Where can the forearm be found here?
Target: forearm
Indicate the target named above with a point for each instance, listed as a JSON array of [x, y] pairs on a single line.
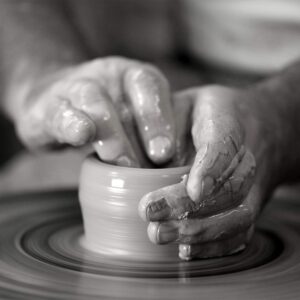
[[37, 38], [279, 97]]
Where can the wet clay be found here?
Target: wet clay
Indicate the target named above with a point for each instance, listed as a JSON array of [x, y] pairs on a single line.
[[109, 198]]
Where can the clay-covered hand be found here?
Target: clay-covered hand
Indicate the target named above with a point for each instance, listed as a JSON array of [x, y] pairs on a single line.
[[213, 210], [106, 101]]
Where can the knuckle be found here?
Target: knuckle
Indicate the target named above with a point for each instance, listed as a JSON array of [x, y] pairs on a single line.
[[207, 93], [96, 64], [107, 65], [187, 239], [125, 113], [213, 91], [112, 64], [184, 227], [84, 87], [191, 227], [154, 71], [135, 73], [115, 59], [146, 73]]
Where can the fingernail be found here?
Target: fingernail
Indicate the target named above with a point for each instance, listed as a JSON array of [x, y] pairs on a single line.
[[185, 252], [166, 233], [162, 233], [160, 149], [158, 210], [207, 186], [152, 232], [157, 205]]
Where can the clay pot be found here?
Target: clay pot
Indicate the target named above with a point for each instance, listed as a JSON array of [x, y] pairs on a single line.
[[109, 197]]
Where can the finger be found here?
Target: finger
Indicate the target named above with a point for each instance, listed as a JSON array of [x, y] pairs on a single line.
[[172, 202], [216, 249], [168, 203], [149, 95], [110, 142], [231, 188], [213, 228], [67, 124], [129, 126], [154, 117], [217, 136], [184, 148]]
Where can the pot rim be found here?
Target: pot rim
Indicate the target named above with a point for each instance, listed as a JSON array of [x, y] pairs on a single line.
[[97, 163]]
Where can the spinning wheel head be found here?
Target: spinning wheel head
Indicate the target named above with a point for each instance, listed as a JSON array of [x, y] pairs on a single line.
[[109, 198], [43, 256]]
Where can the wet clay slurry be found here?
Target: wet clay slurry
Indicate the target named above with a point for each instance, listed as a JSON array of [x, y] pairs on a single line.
[[109, 198]]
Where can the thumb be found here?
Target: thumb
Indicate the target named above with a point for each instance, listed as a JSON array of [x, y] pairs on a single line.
[[218, 137]]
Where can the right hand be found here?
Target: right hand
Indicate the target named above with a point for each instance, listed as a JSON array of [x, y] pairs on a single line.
[[102, 101], [212, 211]]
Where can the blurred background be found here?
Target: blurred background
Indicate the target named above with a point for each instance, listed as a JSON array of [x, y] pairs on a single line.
[[233, 42]]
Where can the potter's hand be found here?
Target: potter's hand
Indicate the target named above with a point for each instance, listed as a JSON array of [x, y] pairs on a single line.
[[212, 211], [101, 102]]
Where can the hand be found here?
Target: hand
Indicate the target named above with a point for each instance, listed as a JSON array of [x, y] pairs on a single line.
[[103, 101], [213, 210]]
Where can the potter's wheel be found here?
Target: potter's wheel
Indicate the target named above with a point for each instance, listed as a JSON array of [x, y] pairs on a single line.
[[42, 256]]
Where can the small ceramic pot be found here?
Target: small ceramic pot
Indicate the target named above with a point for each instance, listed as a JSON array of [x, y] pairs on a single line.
[[109, 198]]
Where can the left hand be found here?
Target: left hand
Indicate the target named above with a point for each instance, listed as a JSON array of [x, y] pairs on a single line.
[[119, 105], [213, 210]]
